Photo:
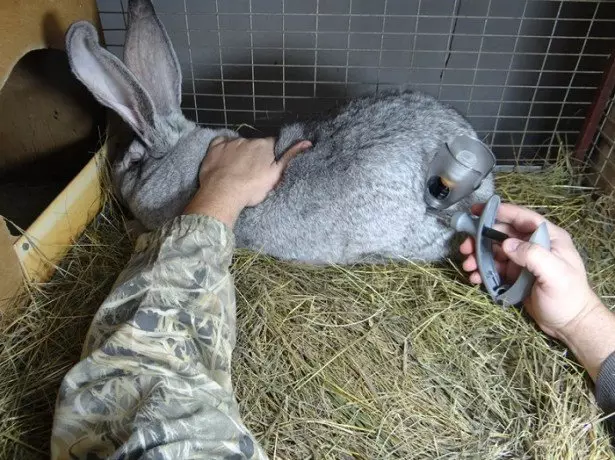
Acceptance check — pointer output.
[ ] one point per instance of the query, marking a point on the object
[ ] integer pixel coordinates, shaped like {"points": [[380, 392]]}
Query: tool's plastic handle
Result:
{"points": [[501, 294]]}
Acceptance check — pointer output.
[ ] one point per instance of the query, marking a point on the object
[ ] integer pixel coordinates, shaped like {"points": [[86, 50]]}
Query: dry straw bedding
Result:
{"points": [[394, 361]]}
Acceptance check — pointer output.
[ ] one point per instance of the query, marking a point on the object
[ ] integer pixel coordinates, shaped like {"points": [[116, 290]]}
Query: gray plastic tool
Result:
{"points": [[502, 294], [456, 170]]}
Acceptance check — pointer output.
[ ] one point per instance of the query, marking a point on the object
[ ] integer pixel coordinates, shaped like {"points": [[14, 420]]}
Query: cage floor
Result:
{"points": [[396, 361]]}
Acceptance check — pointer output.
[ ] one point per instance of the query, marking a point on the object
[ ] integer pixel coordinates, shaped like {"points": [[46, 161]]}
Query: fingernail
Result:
{"points": [[511, 244]]}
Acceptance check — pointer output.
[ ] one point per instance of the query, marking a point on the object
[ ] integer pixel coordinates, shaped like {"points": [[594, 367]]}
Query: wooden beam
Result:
{"points": [[52, 234], [596, 111]]}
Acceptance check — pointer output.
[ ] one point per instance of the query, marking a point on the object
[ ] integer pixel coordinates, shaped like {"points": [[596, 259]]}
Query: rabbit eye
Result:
{"points": [[132, 159]]}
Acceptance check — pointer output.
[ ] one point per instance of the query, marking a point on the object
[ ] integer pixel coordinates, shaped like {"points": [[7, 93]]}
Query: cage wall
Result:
{"points": [[523, 72]]}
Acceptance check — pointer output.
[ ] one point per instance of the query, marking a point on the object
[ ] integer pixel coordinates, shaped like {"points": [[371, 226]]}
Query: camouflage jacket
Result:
{"points": [[154, 380], [155, 376]]}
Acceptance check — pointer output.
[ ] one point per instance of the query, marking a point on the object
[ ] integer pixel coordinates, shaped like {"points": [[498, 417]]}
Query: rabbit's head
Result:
{"points": [[158, 172]]}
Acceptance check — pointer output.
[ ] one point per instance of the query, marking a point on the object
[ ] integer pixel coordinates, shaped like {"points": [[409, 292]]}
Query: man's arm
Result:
{"points": [[155, 378]]}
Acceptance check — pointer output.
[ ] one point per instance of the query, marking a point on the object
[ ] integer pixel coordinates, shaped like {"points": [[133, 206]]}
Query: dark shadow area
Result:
{"points": [[50, 127], [272, 105]]}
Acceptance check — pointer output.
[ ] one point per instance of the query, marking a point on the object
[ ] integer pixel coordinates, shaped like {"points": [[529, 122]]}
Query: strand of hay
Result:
{"points": [[396, 361]]}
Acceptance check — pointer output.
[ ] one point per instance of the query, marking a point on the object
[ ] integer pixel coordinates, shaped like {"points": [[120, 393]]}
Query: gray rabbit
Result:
{"points": [[355, 196]]}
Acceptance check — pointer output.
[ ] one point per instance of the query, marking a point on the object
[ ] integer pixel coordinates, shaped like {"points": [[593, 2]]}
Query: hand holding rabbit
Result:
{"points": [[238, 173]]}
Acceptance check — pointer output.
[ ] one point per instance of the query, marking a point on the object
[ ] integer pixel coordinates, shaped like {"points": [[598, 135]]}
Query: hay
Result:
{"points": [[395, 361]]}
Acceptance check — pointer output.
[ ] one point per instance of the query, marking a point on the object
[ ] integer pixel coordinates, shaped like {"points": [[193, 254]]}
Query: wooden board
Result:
{"points": [[10, 271], [26, 26], [603, 160], [49, 238]]}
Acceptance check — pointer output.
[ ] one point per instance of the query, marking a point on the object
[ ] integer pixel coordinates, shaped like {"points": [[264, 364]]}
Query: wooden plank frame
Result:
{"points": [[26, 26], [596, 111]]}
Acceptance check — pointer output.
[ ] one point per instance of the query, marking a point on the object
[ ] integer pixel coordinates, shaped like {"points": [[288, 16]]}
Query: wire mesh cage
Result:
{"points": [[523, 72]]}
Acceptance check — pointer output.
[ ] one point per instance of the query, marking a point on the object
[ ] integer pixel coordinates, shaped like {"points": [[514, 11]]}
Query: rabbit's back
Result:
{"points": [[378, 121], [358, 193]]}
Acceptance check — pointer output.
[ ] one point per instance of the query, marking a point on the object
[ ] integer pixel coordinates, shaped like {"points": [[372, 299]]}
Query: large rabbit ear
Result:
{"points": [[109, 80], [149, 54]]}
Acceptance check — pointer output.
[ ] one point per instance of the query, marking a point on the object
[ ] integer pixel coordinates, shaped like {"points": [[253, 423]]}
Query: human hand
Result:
{"points": [[561, 295], [561, 302], [238, 173]]}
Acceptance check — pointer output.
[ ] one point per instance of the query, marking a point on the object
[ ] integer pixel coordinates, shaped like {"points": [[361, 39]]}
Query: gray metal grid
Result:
{"points": [[523, 72]]}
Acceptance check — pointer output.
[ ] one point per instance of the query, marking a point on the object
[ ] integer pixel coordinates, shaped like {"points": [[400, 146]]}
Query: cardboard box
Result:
{"points": [[25, 27]]}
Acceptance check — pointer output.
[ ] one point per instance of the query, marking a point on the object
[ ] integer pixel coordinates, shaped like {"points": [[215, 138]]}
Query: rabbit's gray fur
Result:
{"points": [[356, 195]]}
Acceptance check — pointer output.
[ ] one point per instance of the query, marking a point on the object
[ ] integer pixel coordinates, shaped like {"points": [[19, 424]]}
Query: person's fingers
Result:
{"points": [[217, 141], [475, 278], [538, 260], [262, 147], [292, 152], [467, 247], [470, 264], [511, 273], [513, 216], [502, 226], [282, 163], [498, 253], [527, 221], [502, 267], [523, 220], [509, 230]]}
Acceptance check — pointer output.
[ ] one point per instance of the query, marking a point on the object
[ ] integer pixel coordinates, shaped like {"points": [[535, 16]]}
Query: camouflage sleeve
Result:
{"points": [[154, 380]]}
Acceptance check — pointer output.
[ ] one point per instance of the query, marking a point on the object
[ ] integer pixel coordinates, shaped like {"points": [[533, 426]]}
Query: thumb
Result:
{"points": [[542, 263], [293, 152]]}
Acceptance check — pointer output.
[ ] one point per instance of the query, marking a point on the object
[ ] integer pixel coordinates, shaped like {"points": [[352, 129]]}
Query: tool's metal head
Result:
{"points": [[457, 169]]}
